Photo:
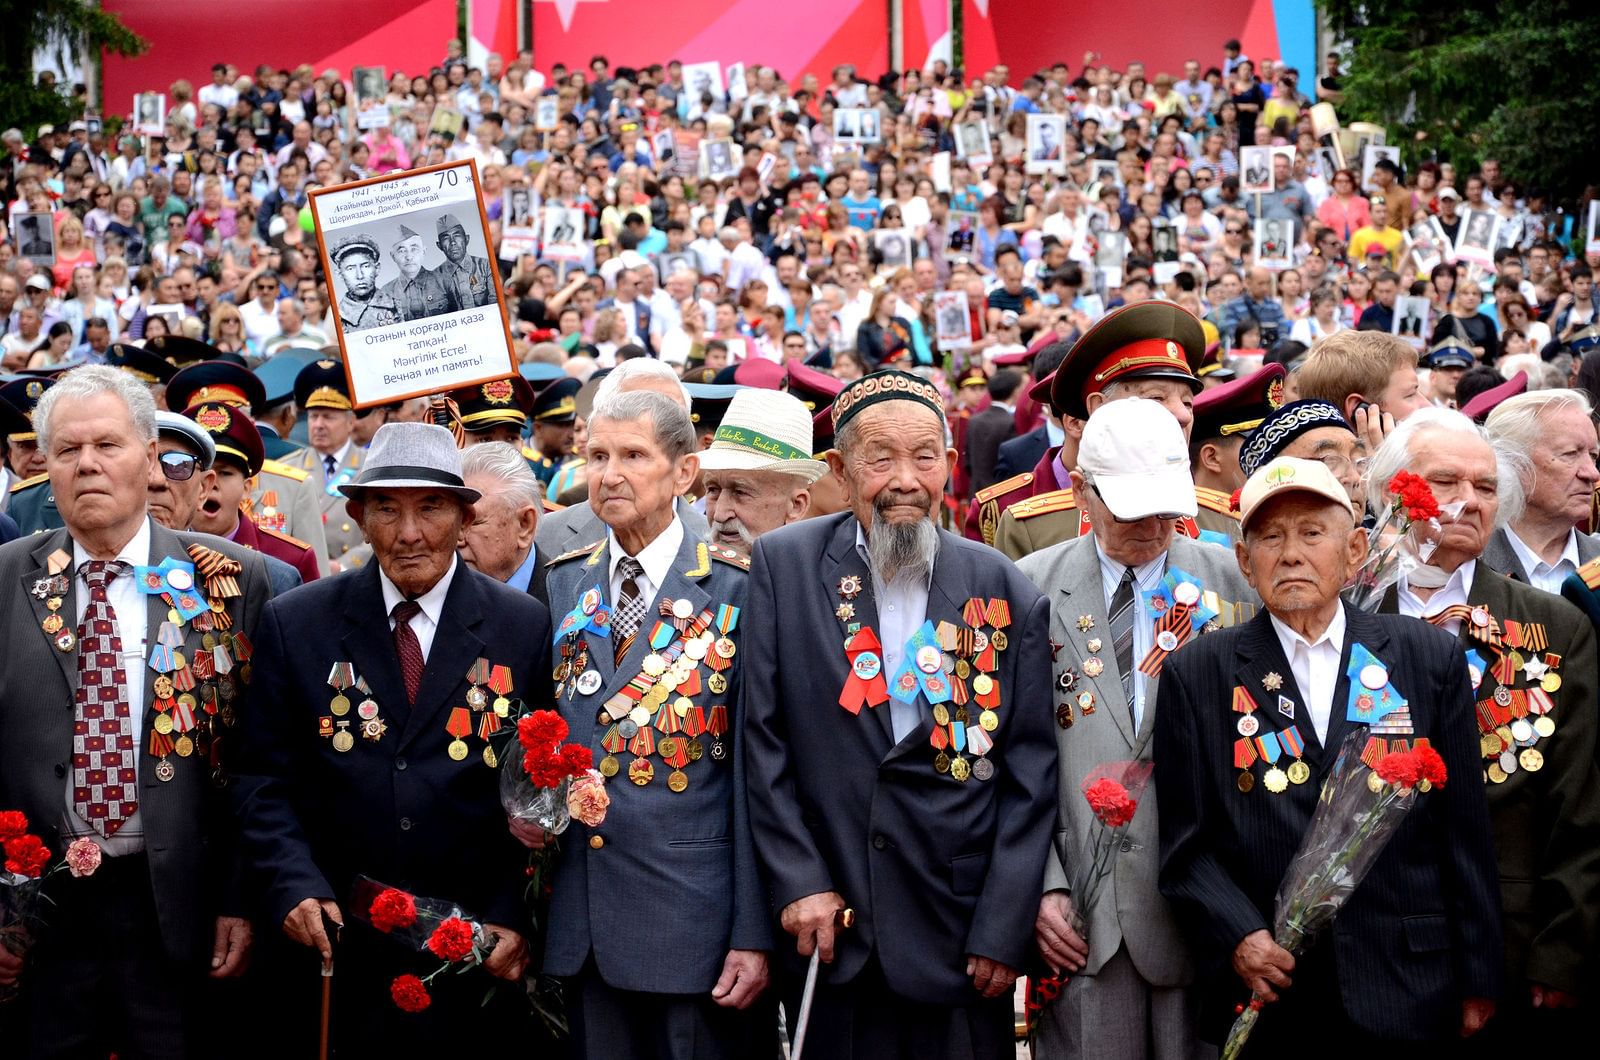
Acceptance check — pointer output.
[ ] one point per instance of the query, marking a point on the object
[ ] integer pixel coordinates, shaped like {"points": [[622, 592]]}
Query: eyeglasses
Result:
{"points": [[1339, 465], [178, 467]]}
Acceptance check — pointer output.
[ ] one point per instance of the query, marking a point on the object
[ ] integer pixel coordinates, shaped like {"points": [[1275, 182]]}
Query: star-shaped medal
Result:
{"points": [[845, 612], [1272, 682], [1085, 623], [850, 586], [1535, 668]]}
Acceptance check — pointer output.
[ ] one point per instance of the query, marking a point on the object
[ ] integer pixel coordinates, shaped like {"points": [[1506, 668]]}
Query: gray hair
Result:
{"points": [[637, 368], [1515, 424], [674, 430], [92, 381], [505, 463], [1394, 455]]}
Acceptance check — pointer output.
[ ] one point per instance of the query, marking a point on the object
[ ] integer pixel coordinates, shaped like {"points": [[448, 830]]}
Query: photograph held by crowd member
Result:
{"points": [[1128, 991], [1537, 757], [166, 887], [680, 830], [1420, 951], [411, 625], [848, 801], [1553, 435]]}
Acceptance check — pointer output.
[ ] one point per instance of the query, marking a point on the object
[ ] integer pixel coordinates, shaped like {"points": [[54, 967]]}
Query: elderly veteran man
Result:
{"points": [[361, 304], [418, 292], [1145, 350], [1553, 433], [333, 457], [469, 275], [923, 798], [648, 669], [99, 743], [1224, 414], [365, 752], [1534, 675], [1248, 725], [499, 540], [1311, 429], [1137, 591], [758, 468]]}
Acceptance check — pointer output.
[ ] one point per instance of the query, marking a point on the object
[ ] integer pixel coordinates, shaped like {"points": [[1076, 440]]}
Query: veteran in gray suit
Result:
{"points": [[1121, 599], [647, 672], [106, 735]]}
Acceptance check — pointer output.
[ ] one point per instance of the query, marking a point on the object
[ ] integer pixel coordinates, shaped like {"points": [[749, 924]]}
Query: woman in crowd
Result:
{"points": [[1346, 209], [1322, 320], [227, 331], [72, 251]]}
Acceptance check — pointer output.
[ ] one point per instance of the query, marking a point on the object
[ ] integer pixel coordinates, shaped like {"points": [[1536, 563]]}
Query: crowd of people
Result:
{"points": [[866, 437]]}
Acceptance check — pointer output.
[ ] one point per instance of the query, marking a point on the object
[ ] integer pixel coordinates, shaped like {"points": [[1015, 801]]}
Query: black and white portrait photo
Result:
{"points": [[1255, 170], [150, 114], [717, 159], [1046, 139], [34, 237], [894, 248]]}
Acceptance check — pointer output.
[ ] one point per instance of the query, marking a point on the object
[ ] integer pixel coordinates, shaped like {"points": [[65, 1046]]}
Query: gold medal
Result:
{"points": [[999, 640], [960, 769], [963, 669], [941, 714], [184, 747], [1299, 772], [343, 741], [489, 757], [941, 762], [654, 665], [457, 750], [339, 705], [694, 748], [52, 624], [988, 720], [1551, 682], [1374, 783], [677, 780], [668, 747], [682, 705], [717, 683], [1276, 780], [163, 724], [1496, 774], [609, 766], [1489, 745], [162, 687], [502, 706], [1544, 726], [641, 772], [1531, 759], [1247, 781], [983, 684]]}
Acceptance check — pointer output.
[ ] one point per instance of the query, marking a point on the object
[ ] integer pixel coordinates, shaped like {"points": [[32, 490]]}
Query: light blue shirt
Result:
{"points": [[524, 574], [902, 609], [1145, 579]]}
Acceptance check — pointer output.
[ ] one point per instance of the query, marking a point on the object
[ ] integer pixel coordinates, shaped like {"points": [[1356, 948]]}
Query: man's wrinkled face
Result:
{"points": [[1459, 468], [1563, 465], [1298, 552], [454, 244], [408, 254], [413, 532], [99, 465], [897, 465], [743, 505], [175, 485]]}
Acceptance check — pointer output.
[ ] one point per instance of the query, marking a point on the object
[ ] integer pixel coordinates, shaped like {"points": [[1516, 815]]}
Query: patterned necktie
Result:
{"points": [[408, 647], [104, 784], [330, 467], [630, 606], [1122, 633]]}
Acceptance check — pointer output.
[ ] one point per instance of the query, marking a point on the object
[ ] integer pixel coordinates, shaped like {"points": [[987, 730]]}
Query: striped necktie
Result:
{"points": [[1122, 633]]}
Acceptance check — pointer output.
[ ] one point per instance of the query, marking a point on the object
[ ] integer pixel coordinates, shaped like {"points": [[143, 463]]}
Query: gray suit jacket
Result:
{"points": [[690, 851], [1500, 557], [186, 835], [1129, 908], [561, 532]]}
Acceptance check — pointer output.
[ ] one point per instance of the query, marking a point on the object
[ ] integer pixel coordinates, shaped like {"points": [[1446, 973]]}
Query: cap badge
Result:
{"points": [[1280, 474], [498, 392], [213, 418]]}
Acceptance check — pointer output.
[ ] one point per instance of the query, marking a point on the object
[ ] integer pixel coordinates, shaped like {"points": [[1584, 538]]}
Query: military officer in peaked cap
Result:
{"points": [[333, 458], [471, 276], [277, 416], [1446, 361], [211, 381], [418, 291], [361, 304], [181, 350], [144, 365], [816, 390], [1048, 450], [14, 422], [24, 460], [555, 417], [496, 411], [1223, 416]]}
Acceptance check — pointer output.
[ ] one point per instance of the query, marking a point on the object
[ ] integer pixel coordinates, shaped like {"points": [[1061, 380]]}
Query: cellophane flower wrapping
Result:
{"points": [[412, 920], [24, 867], [1404, 537], [539, 770]]}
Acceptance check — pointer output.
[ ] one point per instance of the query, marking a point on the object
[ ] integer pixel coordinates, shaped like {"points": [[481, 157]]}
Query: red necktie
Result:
{"points": [[408, 647], [104, 786]]}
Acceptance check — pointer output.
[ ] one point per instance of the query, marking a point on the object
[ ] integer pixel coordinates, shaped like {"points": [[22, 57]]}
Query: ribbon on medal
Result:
{"points": [[174, 580], [1167, 595], [1372, 696], [866, 685], [589, 614], [1475, 667], [921, 669]]}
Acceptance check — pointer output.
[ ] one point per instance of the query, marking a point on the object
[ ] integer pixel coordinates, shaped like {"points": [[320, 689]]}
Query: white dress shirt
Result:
{"points": [[656, 559], [132, 611], [1452, 592], [1315, 666], [1145, 578], [426, 624], [1542, 575], [902, 609]]}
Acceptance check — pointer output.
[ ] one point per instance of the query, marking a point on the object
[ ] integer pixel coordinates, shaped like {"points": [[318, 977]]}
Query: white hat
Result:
{"points": [[764, 430], [412, 456], [1288, 474], [1135, 453]]}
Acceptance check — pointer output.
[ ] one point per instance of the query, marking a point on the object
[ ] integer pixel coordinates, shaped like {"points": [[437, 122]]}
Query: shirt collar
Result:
{"points": [[1532, 561], [656, 557], [1333, 636], [1111, 569], [523, 575], [338, 454], [1454, 591], [431, 602], [865, 552], [136, 553]]}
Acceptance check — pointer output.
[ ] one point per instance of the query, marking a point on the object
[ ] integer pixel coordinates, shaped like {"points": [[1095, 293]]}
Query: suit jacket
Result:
{"points": [[290, 499], [187, 841], [687, 851], [986, 432], [1423, 930], [1018, 454], [8, 529], [340, 531], [935, 868], [1500, 557], [1130, 910], [577, 526], [399, 810]]}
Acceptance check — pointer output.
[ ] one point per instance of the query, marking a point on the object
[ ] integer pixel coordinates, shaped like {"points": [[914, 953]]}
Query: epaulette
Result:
{"points": [[278, 467], [577, 553], [989, 493], [1216, 501], [730, 557], [34, 481], [281, 536], [1590, 574], [1043, 504], [552, 506]]}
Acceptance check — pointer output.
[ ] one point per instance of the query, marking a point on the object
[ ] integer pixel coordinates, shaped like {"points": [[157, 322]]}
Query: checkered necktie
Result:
{"points": [[1122, 633], [408, 647], [104, 783], [630, 607]]}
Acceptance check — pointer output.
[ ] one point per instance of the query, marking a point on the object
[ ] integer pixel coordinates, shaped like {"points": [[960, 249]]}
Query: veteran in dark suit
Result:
{"points": [[499, 540], [897, 717], [1535, 678], [365, 752], [1249, 722], [105, 737], [648, 670]]}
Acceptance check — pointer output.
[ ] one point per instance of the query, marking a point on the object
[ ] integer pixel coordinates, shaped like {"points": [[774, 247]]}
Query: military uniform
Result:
{"points": [[991, 502], [322, 384], [25, 498], [424, 295], [379, 310], [473, 279], [497, 403], [555, 405]]}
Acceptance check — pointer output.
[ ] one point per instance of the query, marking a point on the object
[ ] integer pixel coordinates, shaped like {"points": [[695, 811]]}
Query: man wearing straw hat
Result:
{"points": [[758, 469]]}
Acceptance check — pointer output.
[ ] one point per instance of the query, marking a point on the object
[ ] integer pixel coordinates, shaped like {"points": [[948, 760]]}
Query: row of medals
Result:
{"points": [[668, 678], [960, 670], [226, 690], [1508, 747], [1275, 780]]}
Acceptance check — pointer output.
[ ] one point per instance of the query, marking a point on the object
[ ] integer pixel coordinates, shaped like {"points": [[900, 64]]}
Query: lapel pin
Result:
{"points": [[1286, 706], [1085, 623], [1272, 682]]}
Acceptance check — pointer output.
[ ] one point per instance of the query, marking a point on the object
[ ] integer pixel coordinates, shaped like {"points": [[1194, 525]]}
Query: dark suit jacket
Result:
{"points": [[191, 866], [1500, 557], [1020, 454], [8, 529], [1423, 931], [986, 432], [688, 851], [935, 868]]}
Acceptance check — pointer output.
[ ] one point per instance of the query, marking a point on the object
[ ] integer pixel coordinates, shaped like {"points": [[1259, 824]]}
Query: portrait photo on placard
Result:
{"points": [[1274, 243], [1370, 155], [972, 142], [894, 248], [447, 123], [1411, 320], [717, 159], [962, 229], [546, 113], [1428, 245], [520, 209], [1111, 250], [35, 237], [1255, 170], [1477, 236], [1103, 171], [952, 320], [1046, 140], [676, 261], [703, 79], [150, 114], [371, 89], [563, 233]]}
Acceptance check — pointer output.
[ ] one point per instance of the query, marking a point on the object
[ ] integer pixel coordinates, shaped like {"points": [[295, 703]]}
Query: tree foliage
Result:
{"points": [[1514, 80], [82, 28]]}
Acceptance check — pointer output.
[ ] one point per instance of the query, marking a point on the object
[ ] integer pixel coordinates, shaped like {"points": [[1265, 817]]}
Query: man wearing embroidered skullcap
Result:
{"points": [[1311, 429], [898, 680], [1249, 724]]}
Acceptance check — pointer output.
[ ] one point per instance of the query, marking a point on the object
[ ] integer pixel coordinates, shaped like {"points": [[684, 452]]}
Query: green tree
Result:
{"points": [[1458, 82], [85, 30]]}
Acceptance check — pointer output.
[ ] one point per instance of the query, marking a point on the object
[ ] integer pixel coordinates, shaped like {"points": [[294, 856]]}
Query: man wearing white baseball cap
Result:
{"points": [[758, 469], [1129, 982]]}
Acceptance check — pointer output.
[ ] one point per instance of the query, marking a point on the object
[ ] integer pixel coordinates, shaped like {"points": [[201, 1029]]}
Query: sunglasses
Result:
{"points": [[178, 467], [1235, 231]]}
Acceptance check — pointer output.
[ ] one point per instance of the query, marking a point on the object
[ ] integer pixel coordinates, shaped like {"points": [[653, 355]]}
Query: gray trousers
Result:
{"points": [[1116, 1015]]}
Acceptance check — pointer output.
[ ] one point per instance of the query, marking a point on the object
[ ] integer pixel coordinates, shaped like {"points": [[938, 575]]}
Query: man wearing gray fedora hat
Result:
{"points": [[758, 469], [404, 787]]}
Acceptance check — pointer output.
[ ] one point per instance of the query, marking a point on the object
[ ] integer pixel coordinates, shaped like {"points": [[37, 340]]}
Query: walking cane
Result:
{"points": [[327, 1005], [845, 918]]}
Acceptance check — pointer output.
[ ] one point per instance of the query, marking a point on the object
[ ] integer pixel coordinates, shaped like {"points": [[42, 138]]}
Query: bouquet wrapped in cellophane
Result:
{"points": [[1404, 538], [426, 925], [1360, 808]]}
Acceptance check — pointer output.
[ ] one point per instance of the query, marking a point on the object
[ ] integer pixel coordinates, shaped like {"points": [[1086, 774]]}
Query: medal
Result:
{"points": [[641, 772], [1299, 772], [1064, 715], [983, 769], [609, 766], [1247, 781], [1276, 781], [1094, 644], [1093, 667], [1272, 682], [960, 769], [1085, 623], [457, 750], [677, 780], [1248, 725], [1086, 703], [458, 726], [165, 770], [589, 682]]}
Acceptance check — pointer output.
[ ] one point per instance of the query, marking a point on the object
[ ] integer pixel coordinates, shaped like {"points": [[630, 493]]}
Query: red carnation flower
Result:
{"points": [[26, 855], [1110, 802], [1233, 500], [410, 994], [451, 940], [1430, 766], [542, 728], [576, 759], [393, 909], [544, 768], [1399, 768], [1415, 495], [12, 824]]}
